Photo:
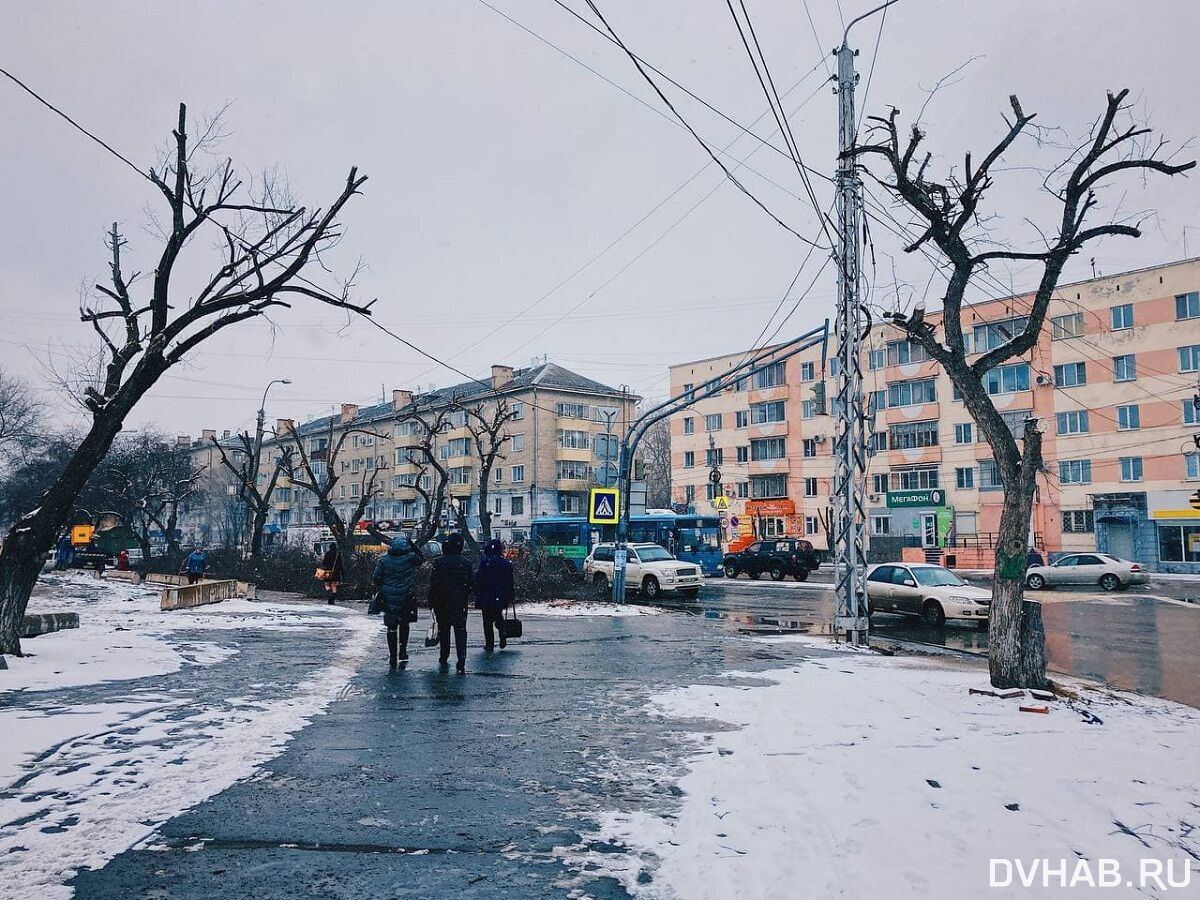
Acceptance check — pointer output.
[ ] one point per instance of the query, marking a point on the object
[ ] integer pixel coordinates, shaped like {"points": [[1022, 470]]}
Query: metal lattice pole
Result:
{"points": [[849, 445]]}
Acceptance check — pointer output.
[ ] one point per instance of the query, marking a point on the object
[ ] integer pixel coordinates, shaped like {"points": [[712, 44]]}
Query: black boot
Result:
{"points": [[391, 641]]}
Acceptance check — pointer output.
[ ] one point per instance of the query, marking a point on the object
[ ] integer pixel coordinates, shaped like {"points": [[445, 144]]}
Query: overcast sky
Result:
{"points": [[499, 167]]}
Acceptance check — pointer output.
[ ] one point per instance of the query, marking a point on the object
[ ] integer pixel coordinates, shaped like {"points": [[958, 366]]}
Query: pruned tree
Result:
{"points": [[146, 326], [487, 423], [245, 466], [433, 496], [951, 220], [20, 414], [655, 454], [323, 474]]}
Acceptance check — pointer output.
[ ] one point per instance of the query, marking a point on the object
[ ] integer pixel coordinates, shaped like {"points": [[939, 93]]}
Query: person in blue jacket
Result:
{"points": [[195, 566], [395, 581], [493, 592]]}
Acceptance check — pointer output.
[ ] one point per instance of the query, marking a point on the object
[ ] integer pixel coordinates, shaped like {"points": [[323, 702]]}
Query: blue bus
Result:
{"points": [[690, 538]]}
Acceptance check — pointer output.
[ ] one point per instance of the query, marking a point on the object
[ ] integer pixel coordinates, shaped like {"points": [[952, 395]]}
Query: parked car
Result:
{"points": [[780, 557], [1110, 572], [932, 593], [648, 568]]}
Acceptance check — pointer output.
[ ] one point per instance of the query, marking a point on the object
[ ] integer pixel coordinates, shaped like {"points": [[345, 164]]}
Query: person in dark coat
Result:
{"points": [[451, 584], [493, 592], [395, 580], [1033, 558], [64, 552], [195, 566], [331, 563]]}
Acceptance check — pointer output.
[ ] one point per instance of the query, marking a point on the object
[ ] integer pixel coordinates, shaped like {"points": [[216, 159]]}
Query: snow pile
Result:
{"points": [[585, 608], [863, 777]]}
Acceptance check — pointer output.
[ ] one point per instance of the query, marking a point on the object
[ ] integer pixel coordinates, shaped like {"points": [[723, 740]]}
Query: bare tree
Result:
{"points": [[487, 424], [147, 326], [320, 472], [245, 468], [655, 454], [20, 412], [949, 213], [432, 496]]}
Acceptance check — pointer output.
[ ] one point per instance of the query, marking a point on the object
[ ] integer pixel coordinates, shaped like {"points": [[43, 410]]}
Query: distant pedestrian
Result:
{"points": [[395, 584], [331, 566], [493, 592], [195, 566], [64, 553], [451, 585], [1034, 558], [123, 561]]}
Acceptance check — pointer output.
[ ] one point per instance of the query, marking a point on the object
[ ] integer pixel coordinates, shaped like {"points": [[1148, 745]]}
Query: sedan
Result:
{"points": [[1110, 572], [933, 593]]}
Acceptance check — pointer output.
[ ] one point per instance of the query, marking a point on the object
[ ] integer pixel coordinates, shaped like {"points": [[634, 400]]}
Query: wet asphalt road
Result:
{"points": [[429, 784], [1127, 639]]}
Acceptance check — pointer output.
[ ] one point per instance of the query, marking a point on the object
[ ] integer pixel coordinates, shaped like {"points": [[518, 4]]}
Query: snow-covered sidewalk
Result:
{"points": [[860, 776], [115, 727]]}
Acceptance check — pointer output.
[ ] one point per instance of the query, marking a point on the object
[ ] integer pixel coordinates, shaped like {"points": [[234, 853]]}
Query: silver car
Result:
{"points": [[933, 593], [1110, 572]]}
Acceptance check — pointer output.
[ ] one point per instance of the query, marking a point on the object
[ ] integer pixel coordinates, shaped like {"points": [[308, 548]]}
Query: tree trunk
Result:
{"points": [[173, 548], [259, 524], [1016, 637]]}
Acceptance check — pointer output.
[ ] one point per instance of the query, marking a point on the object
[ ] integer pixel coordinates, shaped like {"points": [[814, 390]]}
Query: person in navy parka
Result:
{"points": [[493, 591], [395, 578]]}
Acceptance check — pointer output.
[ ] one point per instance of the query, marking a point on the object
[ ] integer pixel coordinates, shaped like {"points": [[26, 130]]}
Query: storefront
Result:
{"points": [[1176, 525]]}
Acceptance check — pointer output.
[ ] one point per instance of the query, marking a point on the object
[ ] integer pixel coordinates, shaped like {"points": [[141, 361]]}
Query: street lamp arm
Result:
{"points": [[869, 13]]}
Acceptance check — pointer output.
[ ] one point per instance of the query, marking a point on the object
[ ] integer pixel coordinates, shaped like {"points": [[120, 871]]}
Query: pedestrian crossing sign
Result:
{"points": [[603, 506]]}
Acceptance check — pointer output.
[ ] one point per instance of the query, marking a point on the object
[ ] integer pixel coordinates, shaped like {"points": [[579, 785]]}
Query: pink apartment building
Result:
{"points": [[1113, 382]]}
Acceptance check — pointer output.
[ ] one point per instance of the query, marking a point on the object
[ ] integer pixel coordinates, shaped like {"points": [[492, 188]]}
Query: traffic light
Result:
{"points": [[818, 391]]}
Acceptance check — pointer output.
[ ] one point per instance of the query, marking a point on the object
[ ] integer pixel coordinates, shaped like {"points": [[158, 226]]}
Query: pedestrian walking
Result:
{"points": [[123, 561], [331, 572], [64, 552], [493, 592], [395, 585], [195, 566], [450, 587], [1034, 558]]}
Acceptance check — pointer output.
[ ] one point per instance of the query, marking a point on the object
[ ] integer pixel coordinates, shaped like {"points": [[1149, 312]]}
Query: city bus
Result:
{"points": [[690, 538]]}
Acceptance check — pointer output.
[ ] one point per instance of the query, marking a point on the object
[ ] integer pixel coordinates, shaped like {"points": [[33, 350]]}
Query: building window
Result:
{"points": [[1128, 417], [1073, 422], [740, 385], [1078, 521], [498, 506], [881, 524], [1191, 465], [689, 459], [743, 490], [690, 390], [1131, 468], [771, 376], [768, 448], [743, 454], [1191, 413], [902, 353], [517, 444], [809, 448], [912, 393], [808, 371], [915, 479], [712, 422], [879, 483], [1070, 374], [573, 440], [768, 487], [875, 359], [1187, 306], [1122, 316], [1189, 358], [1125, 367], [516, 506], [991, 335], [712, 491], [808, 409], [689, 425], [1075, 471], [499, 474], [689, 493], [568, 504], [877, 401], [964, 433], [1007, 379], [964, 478], [1176, 543], [714, 456], [741, 418], [877, 442], [909, 435], [810, 487], [771, 527], [1068, 326], [460, 475], [811, 525], [764, 413], [989, 476], [518, 474]]}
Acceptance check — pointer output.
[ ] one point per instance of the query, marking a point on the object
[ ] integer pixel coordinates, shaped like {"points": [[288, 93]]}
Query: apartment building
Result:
{"points": [[561, 428], [1113, 381]]}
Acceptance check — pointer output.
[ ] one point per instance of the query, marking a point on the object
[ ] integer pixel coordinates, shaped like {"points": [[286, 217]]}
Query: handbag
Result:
{"points": [[410, 614], [509, 628], [321, 574], [375, 607], [432, 638]]}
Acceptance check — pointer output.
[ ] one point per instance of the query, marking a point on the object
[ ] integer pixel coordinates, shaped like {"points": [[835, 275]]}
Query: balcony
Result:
{"points": [[914, 413], [924, 369], [571, 485], [407, 492], [460, 490], [768, 466], [759, 395], [914, 456], [768, 429], [577, 454]]}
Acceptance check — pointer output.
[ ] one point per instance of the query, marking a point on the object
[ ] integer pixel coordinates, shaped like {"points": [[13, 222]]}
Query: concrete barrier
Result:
{"points": [[247, 589], [201, 593], [45, 623]]}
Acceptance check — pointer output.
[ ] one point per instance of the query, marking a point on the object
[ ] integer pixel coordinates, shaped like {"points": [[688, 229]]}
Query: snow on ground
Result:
{"points": [[861, 776], [585, 608], [84, 781]]}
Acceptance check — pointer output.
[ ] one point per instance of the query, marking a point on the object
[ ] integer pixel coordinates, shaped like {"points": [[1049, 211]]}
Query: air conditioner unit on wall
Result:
{"points": [[1043, 379]]}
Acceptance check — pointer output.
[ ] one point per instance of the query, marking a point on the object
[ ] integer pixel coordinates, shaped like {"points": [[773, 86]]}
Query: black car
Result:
{"points": [[780, 557]]}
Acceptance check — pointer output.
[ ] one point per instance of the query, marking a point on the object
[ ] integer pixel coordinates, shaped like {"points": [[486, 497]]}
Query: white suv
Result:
{"points": [[648, 568]]}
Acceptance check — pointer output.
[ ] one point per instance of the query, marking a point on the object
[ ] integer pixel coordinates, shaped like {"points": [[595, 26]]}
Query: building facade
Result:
{"points": [[1113, 380], [560, 430]]}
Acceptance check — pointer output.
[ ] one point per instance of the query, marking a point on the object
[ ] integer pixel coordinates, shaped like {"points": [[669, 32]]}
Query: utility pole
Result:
{"points": [[849, 556], [256, 459]]}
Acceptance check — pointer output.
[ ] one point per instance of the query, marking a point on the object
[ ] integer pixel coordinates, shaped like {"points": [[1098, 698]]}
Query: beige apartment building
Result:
{"points": [[562, 427], [1113, 380]]}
